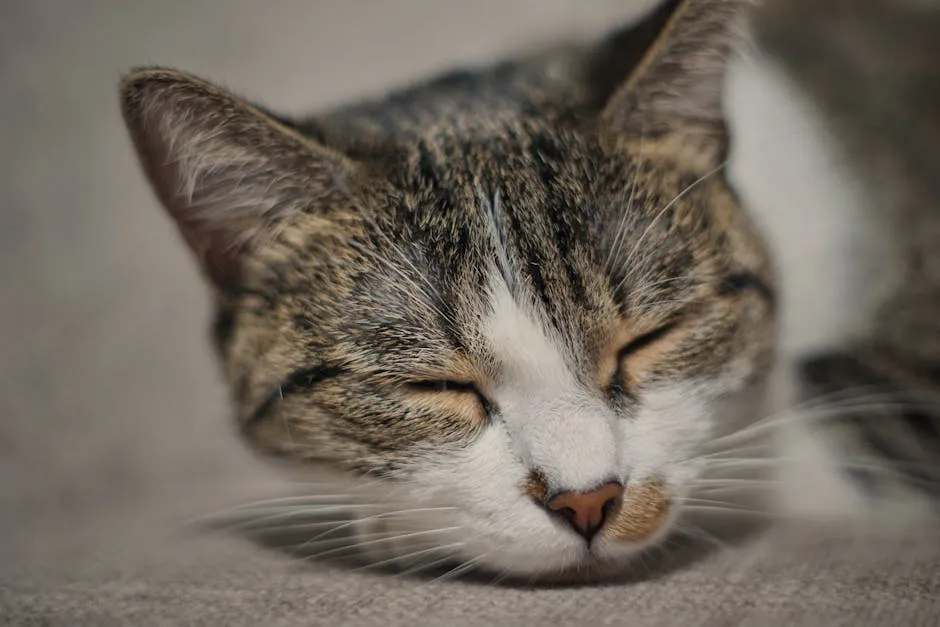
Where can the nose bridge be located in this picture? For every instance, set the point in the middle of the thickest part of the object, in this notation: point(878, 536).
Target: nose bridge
point(556, 424)
point(568, 436)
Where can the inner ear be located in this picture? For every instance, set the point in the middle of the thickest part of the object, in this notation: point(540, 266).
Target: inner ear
point(225, 170)
point(678, 85)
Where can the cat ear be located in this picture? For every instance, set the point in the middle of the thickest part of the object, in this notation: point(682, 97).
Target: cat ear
point(678, 84)
point(226, 171)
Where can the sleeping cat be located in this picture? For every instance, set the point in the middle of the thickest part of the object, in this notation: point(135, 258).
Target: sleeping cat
point(512, 309)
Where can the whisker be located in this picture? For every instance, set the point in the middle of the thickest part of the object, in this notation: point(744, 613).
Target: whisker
point(701, 501)
point(414, 510)
point(428, 565)
point(382, 540)
point(727, 510)
point(730, 483)
point(316, 497)
point(462, 569)
point(280, 483)
point(236, 520)
point(698, 532)
point(348, 541)
point(721, 481)
point(883, 468)
point(668, 550)
point(500, 576)
point(828, 411)
point(288, 527)
point(736, 449)
point(619, 237)
point(406, 556)
point(268, 505)
point(291, 500)
point(642, 239)
point(300, 512)
point(748, 461)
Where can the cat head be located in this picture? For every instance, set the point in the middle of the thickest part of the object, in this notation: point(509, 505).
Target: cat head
point(513, 334)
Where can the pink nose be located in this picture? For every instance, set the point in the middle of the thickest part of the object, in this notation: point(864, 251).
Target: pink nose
point(586, 512)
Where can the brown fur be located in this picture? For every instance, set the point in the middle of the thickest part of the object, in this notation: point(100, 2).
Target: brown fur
point(644, 512)
point(536, 486)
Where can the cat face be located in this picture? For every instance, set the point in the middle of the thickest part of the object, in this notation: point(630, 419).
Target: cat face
point(511, 334)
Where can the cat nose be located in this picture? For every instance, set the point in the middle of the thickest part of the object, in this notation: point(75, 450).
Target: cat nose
point(587, 511)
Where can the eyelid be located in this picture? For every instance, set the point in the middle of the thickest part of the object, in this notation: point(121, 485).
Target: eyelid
point(442, 385)
point(299, 380)
point(617, 384)
point(642, 341)
point(433, 386)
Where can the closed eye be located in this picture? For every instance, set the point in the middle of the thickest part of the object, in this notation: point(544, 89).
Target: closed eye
point(442, 386)
point(634, 346)
point(458, 387)
point(639, 343)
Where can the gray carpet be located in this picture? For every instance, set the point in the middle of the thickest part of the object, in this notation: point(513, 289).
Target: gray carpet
point(113, 428)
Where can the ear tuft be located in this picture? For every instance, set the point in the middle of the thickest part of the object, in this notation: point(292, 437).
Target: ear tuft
point(226, 171)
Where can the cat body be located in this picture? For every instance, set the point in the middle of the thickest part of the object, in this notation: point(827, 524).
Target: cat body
point(832, 116)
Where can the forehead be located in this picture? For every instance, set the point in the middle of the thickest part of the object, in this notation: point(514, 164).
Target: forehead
point(517, 208)
point(541, 213)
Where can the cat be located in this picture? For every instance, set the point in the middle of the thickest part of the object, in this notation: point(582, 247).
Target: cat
point(512, 308)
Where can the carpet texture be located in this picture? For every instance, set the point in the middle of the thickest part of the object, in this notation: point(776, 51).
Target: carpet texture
point(113, 424)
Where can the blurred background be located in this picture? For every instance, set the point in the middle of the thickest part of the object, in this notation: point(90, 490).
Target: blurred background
point(113, 420)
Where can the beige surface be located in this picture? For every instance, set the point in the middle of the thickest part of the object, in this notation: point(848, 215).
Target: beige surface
point(112, 419)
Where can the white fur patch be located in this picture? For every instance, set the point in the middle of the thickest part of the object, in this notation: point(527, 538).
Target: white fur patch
point(792, 182)
point(670, 427)
point(556, 425)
